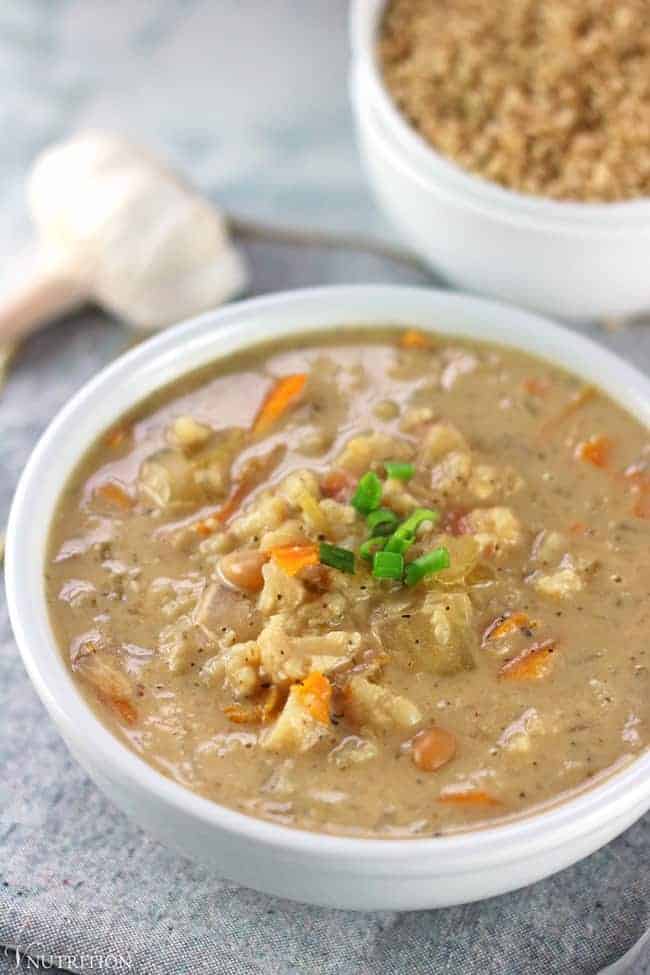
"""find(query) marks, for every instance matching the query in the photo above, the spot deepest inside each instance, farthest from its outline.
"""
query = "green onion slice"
(409, 527)
(383, 521)
(338, 558)
(400, 545)
(367, 496)
(400, 470)
(426, 565)
(372, 545)
(388, 565)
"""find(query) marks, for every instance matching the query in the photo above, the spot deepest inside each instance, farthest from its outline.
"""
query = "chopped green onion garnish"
(372, 545)
(367, 496)
(399, 545)
(383, 521)
(409, 527)
(404, 535)
(338, 558)
(387, 565)
(400, 470)
(427, 564)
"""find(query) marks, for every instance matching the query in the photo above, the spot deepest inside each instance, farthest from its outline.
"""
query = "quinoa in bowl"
(546, 98)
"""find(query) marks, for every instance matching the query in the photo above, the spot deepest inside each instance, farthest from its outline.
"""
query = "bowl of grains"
(509, 143)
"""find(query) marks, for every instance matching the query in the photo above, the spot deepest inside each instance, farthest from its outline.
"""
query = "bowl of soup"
(344, 592)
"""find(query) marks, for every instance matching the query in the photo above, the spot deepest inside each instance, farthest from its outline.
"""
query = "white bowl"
(572, 260)
(329, 870)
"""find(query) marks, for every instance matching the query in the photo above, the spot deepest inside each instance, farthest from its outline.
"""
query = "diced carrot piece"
(533, 664)
(503, 625)
(641, 507)
(639, 482)
(256, 713)
(469, 797)
(283, 395)
(293, 558)
(114, 494)
(241, 715)
(412, 339)
(207, 526)
(577, 528)
(337, 484)
(258, 469)
(116, 437)
(316, 693)
(595, 450)
(536, 386)
(124, 709)
(578, 399)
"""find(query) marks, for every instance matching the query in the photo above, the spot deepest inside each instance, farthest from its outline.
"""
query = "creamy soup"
(381, 584)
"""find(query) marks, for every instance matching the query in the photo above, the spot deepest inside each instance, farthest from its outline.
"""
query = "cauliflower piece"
(371, 704)
(212, 671)
(281, 592)
(284, 657)
(188, 434)
(441, 439)
(452, 472)
(294, 486)
(339, 518)
(396, 496)
(360, 452)
(561, 584)
(266, 514)
(486, 481)
(299, 726)
(497, 527)
(176, 642)
(241, 668)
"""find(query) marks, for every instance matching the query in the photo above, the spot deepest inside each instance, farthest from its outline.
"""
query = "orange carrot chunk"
(468, 797)
(114, 494)
(595, 450)
(503, 625)
(283, 395)
(316, 693)
(578, 400)
(123, 708)
(533, 664)
(535, 386)
(412, 339)
(293, 558)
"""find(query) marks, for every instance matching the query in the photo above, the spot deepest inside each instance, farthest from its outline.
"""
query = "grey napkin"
(85, 890)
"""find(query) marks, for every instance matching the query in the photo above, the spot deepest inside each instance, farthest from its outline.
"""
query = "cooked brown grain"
(549, 97)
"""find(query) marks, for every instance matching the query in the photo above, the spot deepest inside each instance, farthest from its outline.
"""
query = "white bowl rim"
(474, 189)
(577, 816)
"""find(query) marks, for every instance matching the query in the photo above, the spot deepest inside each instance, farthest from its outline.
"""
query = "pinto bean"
(433, 748)
(243, 569)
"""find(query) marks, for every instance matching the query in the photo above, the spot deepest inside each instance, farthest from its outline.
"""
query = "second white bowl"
(573, 260)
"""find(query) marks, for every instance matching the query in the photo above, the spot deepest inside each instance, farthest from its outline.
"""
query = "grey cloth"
(81, 886)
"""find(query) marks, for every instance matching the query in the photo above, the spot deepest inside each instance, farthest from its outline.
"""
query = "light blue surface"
(249, 98)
